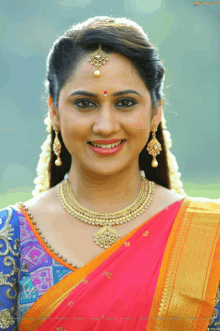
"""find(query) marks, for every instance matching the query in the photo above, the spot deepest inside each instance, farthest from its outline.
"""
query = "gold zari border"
(189, 276)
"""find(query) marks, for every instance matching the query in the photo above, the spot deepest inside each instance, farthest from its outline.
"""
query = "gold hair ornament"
(98, 58)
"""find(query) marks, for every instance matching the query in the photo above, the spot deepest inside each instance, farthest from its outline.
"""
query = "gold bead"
(58, 162)
(154, 163)
(97, 73)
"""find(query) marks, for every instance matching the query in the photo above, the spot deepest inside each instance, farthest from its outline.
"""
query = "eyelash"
(87, 100)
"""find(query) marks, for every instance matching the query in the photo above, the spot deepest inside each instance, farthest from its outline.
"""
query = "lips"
(107, 151)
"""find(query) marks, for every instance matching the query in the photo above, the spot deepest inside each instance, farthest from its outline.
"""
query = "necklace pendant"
(106, 236)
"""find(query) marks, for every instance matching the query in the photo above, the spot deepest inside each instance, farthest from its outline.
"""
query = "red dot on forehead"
(105, 92)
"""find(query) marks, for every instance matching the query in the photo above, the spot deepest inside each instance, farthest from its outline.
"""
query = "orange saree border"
(190, 271)
(59, 291)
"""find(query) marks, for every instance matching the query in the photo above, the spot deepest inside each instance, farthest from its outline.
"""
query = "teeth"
(107, 146)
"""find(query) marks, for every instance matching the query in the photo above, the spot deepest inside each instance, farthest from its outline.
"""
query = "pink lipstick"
(107, 151)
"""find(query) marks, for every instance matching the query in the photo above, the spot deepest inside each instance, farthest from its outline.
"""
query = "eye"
(87, 101)
(128, 100)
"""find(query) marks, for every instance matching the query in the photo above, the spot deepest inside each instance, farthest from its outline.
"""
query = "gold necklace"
(106, 236)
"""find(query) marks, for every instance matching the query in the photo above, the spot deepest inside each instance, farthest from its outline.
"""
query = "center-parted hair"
(116, 35)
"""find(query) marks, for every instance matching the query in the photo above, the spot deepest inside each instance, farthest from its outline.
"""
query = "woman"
(154, 263)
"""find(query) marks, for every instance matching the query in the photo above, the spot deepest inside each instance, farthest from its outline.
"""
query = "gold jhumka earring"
(57, 145)
(154, 147)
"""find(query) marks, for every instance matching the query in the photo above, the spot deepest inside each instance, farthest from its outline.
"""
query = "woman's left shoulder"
(169, 194)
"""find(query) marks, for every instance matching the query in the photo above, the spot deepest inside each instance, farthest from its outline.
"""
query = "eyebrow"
(85, 93)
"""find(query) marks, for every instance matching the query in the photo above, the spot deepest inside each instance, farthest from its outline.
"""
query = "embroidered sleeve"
(9, 268)
(215, 319)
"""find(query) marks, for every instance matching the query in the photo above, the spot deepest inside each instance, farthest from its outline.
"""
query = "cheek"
(139, 130)
(138, 124)
(74, 132)
(139, 120)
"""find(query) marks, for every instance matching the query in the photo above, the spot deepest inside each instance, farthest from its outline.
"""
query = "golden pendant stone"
(106, 236)
(154, 163)
(97, 73)
(58, 162)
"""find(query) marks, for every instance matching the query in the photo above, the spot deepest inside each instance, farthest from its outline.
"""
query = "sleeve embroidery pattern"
(8, 316)
(215, 326)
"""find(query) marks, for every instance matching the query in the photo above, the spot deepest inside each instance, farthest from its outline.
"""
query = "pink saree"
(158, 277)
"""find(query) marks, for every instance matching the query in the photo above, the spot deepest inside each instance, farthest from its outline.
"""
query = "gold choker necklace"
(106, 236)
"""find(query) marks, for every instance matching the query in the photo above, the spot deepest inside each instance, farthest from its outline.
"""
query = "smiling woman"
(113, 170)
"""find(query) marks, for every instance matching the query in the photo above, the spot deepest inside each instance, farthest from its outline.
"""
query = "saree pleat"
(142, 278)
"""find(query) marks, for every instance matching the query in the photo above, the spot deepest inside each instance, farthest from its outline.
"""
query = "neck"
(105, 193)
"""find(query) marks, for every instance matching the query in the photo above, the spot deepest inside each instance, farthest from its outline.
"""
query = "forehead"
(118, 71)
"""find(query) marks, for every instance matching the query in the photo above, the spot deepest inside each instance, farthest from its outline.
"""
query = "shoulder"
(10, 230)
(170, 196)
(9, 220)
(41, 199)
(43, 205)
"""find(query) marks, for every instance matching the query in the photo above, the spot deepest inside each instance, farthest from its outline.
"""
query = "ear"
(52, 111)
(157, 114)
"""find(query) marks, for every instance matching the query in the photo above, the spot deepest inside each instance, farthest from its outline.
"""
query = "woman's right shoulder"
(41, 198)
(41, 207)
(9, 218)
(10, 213)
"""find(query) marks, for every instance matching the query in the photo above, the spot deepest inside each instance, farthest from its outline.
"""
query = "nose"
(106, 123)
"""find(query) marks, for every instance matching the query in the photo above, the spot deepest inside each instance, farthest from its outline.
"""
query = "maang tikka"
(154, 148)
(98, 58)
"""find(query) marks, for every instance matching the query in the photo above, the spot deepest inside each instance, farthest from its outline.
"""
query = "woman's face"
(87, 118)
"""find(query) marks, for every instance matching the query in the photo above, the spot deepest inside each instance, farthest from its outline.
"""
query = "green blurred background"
(187, 37)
